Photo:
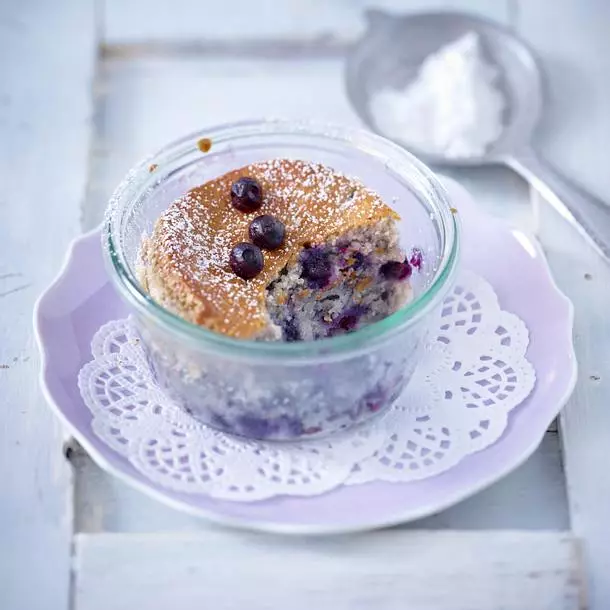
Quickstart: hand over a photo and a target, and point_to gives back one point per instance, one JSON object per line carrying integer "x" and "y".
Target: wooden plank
{"x": 575, "y": 137}
{"x": 135, "y": 21}
{"x": 145, "y": 103}
{"x": 585, "y": 422}
{"x": 390, "y": 570}
{"x": 47, "y": 57}
{"x": 574, "y": 54}
{"x": 133, "y": 119}
{"x": 532, "y": 497}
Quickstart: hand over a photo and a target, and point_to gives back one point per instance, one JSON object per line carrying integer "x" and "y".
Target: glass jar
{"x": 277, "y": 390}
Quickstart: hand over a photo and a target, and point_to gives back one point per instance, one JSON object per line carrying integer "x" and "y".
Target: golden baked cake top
{"x": 189, "y": 249}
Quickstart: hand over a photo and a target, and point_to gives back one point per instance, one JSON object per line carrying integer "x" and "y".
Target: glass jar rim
{"x": 393, "y": 157}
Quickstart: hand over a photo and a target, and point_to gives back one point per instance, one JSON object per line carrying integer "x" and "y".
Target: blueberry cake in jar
{"x": 277, "y": 252}
{"x": 280, "y": 250}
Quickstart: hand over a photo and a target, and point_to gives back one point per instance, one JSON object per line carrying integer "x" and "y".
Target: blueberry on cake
{"x": 280, "y": 250}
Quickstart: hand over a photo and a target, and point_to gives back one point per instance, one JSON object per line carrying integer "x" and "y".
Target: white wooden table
{"x": 85, "y": 90}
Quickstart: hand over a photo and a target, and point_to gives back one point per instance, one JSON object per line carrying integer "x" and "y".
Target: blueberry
{"x": 246, "y": 260}
{"x": 417, "y": 258}
{"x": 290, "y": 331}
{"x": 246, "y": 195}
{"x": 359, "y": 260}
{"x": 395, "y": 270}
{"x": 267, "y": 232}
{"x": 316, "y": 267}
{"x": 283, "y": 426}
{"x": 253, "y": 426}
{"x": 348, "y": 320}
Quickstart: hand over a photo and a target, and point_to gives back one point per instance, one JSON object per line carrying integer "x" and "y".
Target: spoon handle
{"x": 590, "y": 215}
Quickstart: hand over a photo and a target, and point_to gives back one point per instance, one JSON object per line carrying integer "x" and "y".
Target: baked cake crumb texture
{"x": 327, "y": 278}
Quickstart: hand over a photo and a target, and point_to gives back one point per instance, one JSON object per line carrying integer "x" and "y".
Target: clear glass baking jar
{"x": 276, "y": 390}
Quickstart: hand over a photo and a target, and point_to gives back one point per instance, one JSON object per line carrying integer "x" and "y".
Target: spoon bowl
{"x": 390, "y": 54}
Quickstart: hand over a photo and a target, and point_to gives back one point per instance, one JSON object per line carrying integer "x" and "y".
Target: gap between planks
{"x": 323, "y": 47}
{"x": 426, "y": 570}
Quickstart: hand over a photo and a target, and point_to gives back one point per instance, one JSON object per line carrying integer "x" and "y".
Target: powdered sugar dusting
{"x": 188, "y": 253}
{"x": 454, "y": 107}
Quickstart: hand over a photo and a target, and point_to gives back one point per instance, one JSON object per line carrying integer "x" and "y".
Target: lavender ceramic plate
{"x": 81, "y": 299}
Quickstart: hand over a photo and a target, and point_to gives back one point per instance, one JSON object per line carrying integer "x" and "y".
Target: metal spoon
{"x": 390, "y": 54}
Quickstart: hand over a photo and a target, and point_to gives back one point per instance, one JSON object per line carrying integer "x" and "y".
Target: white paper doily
{"x": 472, "y": 373}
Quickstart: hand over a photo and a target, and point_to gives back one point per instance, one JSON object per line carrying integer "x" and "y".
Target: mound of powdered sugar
{"x": 453, "y": 107}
